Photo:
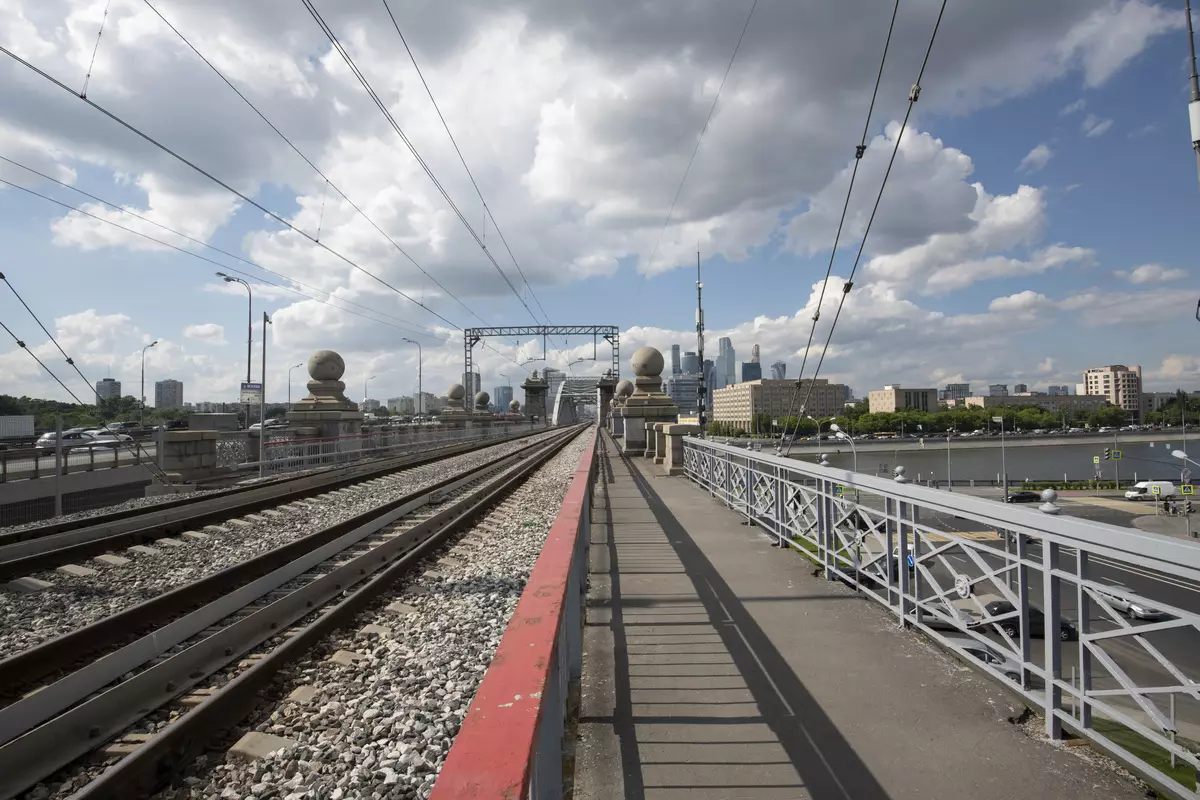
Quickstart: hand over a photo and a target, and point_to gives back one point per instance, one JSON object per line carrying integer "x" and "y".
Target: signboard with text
{"x": 251, "y": 393}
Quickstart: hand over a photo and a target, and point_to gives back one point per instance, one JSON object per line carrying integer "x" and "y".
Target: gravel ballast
{"x": 382, "y": 725}
{"x": 26, "y": 620}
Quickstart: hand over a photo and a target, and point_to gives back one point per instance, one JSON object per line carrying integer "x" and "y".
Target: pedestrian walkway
{"x": 716, "y": 666}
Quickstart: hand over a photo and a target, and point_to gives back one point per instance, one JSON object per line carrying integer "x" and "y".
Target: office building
{"x": 1020, "y": 388}
{"x": 691, "y": 364}
{"x": 956, "y": 391}
{"x": 428, "y": 403}
{"x": 998, "y": 390}
{"x": 208, "y": 407}
{"x": 472, "y": 384}
{"x": 168, "y": 394}
{"x": 401, "y": 405}
{"x": 778, "y": 371}
{"x": 751, "y": 371}
{"x": 108, "y": 389}
{"x": 369, "y": 405}
{"x": 1058, "y": 391}
{"x": 726, "y": 362}
{"x": 1120, "y": 385}
{"x": 893, "y": 398}
{"x": 501, "y": 397}
{"x": 754, "y": 354}
{"x": 675, "y": 367}
{"x": 681, "y": 389}
{"x": 738, "y": 404}
{"x": 1048, "y": 402}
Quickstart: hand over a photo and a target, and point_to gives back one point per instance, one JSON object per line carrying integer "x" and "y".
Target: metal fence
{"x": 287, "y": 455}
{"x": 1094, "y": 624}
{"x": 31, "y": 462}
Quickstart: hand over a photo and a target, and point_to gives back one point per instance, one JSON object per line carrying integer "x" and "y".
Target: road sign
{"x": 998, "y": 419}
{"x": 839, "y": 490}
{"x": 251, "y": 393}
{"x": 910, "y": 561}
{"x": 1095, "y": 459}
{"x": 1156, "y": 489}
{"x": 1116, "y": 454}
{"x": 1187, "y": 488}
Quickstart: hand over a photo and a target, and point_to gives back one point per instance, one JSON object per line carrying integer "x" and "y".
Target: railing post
{"x": 1083, "y": 603}
{"x": 1053, "y": 610}
{"x": 1023, "y": 605}
{"x": 896, "y": 571}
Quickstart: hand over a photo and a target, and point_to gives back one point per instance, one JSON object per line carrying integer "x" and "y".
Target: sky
{"x": 1039, "y": 217}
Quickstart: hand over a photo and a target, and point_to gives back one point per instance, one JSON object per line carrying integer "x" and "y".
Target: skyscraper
{"x": 473, "y": 385}
{"x": 754, "y": 354}
{"x": 168, "y": 394}
{"x": 108, "y": 389}
{"x": 778, "y": 371}
{"x": 675, "y": 368}
{"x": 751, "y": 371}
{"x": 726, "y": 367}
{"x": 501, "y": 397}
{"x": 691, "y": 364}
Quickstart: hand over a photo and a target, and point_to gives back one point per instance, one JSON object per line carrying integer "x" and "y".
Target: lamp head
{"x": 833, "y": 426}
{"x": 841, "y": 435}
{"x": 1179, "y": 454}
{"x": 152, "y": 343}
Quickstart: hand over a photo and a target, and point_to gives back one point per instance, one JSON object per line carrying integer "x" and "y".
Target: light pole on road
{"x": 292, "y": 367}
{"x": 142, "y": 403}
{"x": 367, "y": 381}
{"x": 841, "y": 434}
{"x": 420, "y": 359}
{"x": 249, "y": 329}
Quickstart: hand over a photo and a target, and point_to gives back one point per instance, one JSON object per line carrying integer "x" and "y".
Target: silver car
{"x": 1117, "y": 596}
{"x": 995, "y": 659}
{"x": 951, "y": 618}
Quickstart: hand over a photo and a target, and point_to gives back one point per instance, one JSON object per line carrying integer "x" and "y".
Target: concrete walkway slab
{"x": 716, "y": 666}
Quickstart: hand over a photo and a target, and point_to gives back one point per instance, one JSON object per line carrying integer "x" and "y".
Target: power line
{"x": 859, "y": 150}
{"x": 150, "y": 238}
{"x": 199, "y": 242}
{"x": 703, "y": 130}
{"x": 404, "y": 138}
{"x": 913, "y": 95}
{"x": 151, "y": 140}
{"x": 328, "y": 183}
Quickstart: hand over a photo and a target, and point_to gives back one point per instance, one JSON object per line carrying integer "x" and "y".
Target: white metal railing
{"x": 1117, "y": 653}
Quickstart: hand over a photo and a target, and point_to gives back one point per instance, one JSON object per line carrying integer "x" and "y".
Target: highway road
{"x": 20, "y": 467}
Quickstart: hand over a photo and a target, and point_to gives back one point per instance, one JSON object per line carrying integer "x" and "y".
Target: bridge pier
{"x": 647, "y": 404}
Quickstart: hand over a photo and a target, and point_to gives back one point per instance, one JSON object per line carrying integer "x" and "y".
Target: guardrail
{"x": 511, "y": 743}
{"x": 33, "y": 462}
{"x": 286, "y": 455}
{"x": 1118, "y": 660}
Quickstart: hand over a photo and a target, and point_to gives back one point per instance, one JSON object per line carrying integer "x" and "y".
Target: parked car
{"x": 1116, "y": 595}
{"x": 1037, "y": 621}
{"x": 1022, "y": 497}
{"x": 1002, "y": 663}
{"x": 1144, "y": 490}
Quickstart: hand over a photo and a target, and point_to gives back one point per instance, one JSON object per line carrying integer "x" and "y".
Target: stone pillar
{"x": 455, "y": 414}
{"x": 535, "y": 396}
{"x": 606, "y": 388}
{"x": 675, "y": 435}
{"x": 647, "y": 403}
{"x": 660, "y": 442}
{"x": 483, "y": 415}
{"x": 325, "y": 412}
{"x": 189, "y": 455}
{"x": 616, "y": 421}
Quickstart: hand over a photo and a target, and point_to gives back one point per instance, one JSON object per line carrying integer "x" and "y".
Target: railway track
{"x": 24, "y": 551}
{"x": 261, "y": 615}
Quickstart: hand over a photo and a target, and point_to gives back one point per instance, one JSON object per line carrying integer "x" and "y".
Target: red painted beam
{"x": 492, "y": 754}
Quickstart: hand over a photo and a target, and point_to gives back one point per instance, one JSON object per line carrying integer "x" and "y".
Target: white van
{"x": 1143, "y": 490}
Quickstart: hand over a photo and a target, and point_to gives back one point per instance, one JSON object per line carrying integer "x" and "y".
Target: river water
{"x": 981, "y": 461}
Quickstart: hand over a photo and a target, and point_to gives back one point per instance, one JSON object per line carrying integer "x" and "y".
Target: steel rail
{"x": 19, "y": 671}
{"x": 158, "y": 759}
{"x": 38, "y": 554}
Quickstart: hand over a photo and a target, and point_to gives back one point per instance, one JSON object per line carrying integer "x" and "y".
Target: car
{"x": 1004, "y": 664}
{"x": 1116, "y": 595}
{"x": 271, "y": 424}
{"x": 172, "y": 425}
{"x": 1022, "y": 497}
{"x": 82, "y": 439}
{"x": 1146, "y": 490}
{"x": 1037, "y": 621}
{"x": 946, "y": 617}
{"x": 133, "y": 429}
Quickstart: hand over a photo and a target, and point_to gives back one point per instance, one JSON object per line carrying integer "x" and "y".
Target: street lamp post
{"x": 841, "y": 434}
{"x": 949, "y": 481}
{"x": 249, "y": 329}
{"x": 367, "y": 381}
{"x": 420, "y": 359}
{"x": 1003, "y": 461}
{"x": 142, "y": 404}
{"x": 294, "y": 366}
{"x": 262, "y": 403}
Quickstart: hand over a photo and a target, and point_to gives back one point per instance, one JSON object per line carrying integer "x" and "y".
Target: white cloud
{"x": 1116, "y": 34}
{"x": 1177, "y": 368}
{"x": 1093, "y": 126}
{"x": 1097, "y": 307}
{"x": 1046, "y": 366}
{"x": 1022, "y": 301}
{"x": 207, "y": 333}
{"x": 1071, "y": 108}
{"x": 1036, "y": 159}
{"x": 1151, "y": 273}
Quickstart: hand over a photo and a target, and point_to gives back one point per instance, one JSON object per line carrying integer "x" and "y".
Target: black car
{"x": 1037, "y": 621}
{"x": 1022, "y": 497}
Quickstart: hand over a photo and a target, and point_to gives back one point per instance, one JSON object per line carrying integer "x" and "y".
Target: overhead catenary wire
{"x": 487, "y": 209}
{"x": 328, "y": 183}
{"x": 362, "y": 79}
{"x": 913, "y": 95}
{"x": 712, "y": 109}
{"x": 151, "y": 140}
{"x": 96, "y": 49}
{"x": 859, "y": 150}
{"x": 214, "y": 262}
{"x": 201, "y": 243}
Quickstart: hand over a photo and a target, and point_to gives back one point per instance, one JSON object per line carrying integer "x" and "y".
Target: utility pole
{"x": 1194, "y": 80}
{"x": 701, "y": 391}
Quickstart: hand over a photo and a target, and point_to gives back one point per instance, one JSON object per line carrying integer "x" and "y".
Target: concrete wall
{"x": 31, "y": 500}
